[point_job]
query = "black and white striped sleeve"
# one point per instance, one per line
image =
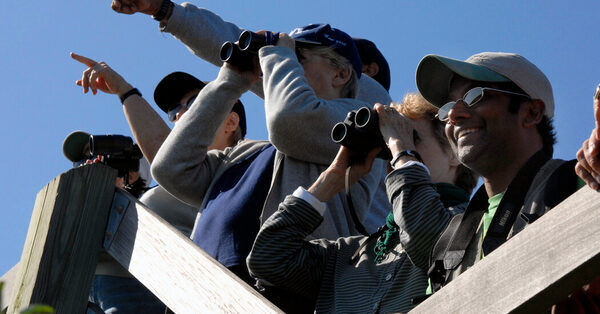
(282, 256)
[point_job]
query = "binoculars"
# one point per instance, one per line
(241, 54)
(360, 132)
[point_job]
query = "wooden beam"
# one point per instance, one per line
(536, 268)
(63, 241)
(176, 270)
(8, 281)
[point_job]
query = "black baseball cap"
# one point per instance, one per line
(368, 54)
(76, 146)
(173, 87)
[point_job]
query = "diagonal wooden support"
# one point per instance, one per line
(533, 270)
(177, 271)
(64, 239)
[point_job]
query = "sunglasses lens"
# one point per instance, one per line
(444, 110)
(172, 114)
(473, 96)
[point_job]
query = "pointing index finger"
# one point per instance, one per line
(87, 61)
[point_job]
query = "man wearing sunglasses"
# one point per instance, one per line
(175, 94)
(498, 109)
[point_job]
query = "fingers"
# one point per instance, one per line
(87, 61)
(125, 7)
(584, 170)
(590, 151)
(85, 81)
(597, 111)
(586, 176)
(93, 78)
(286, 41)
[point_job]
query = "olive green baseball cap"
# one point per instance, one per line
(435, 73)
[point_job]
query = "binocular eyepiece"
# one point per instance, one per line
(360, 132)
(241, 54)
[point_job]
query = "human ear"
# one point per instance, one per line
(232, 122)
(533, 112)
(342, 76)
(370, 69)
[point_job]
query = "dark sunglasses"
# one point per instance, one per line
(172, 114)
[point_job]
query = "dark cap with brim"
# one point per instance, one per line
(173, 87)
(434, 75)
(238, 108)
(74, 146)
(368, 54)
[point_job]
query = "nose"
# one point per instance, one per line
(458, 112)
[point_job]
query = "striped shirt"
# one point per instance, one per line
(321, 269)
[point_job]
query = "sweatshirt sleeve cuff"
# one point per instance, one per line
(304, 195)
(413, 162)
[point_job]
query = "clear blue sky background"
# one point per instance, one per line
(41, 103)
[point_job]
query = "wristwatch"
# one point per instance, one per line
(403, 153)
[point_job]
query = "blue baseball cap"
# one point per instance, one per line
(325, 35)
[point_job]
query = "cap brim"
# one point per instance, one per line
(74, 144)
(173, 87)
(434, 75)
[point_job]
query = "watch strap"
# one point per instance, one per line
(403, 153)
(133, 91)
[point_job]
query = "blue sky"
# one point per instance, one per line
(42, 104)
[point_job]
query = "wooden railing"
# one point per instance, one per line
(80, 212)
(535, 269)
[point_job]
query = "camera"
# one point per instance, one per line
(360, 132)
(119, 152)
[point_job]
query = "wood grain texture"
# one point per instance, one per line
(533, 270)
(177, 271)
(64, 239)
(8, 281)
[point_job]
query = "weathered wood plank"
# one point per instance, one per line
(536, 268)
(8, 281)
(177, 271)
(63, 241)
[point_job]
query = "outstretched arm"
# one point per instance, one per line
(588, 156)
(147, 126)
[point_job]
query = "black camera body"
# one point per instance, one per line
(119, 152)
(360, 132)
(241, 54)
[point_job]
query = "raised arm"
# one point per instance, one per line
(148, 128)
(183, 166)
(204, 32)
(283, 257)
(299, 123)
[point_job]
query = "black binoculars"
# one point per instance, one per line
(360, 132)
(241, 54)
